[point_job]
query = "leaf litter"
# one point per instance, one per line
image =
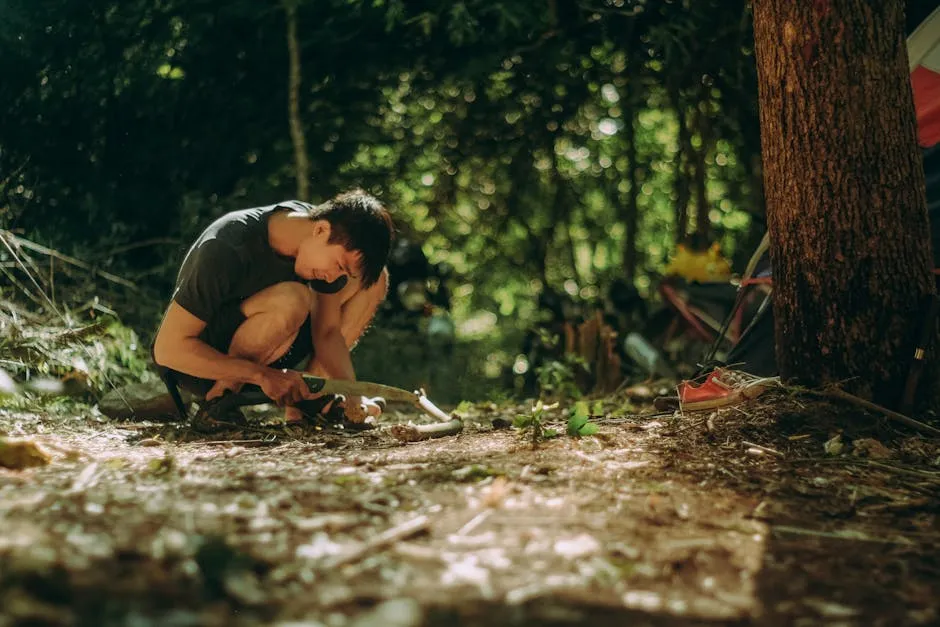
(747, 516)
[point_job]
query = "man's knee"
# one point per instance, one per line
(286, 305)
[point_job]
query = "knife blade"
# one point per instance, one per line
(253, 395)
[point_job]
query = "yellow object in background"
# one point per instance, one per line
(702, 266)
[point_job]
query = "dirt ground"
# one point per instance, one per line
(781, 511)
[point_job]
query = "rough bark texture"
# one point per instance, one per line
(844, 188)
(301, 161)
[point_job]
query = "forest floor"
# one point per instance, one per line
(784, 510)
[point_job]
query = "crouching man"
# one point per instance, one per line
(268, 291)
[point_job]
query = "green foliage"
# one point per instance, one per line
(556, 377)
(579, 424)
(83, 362)
(468, 371)
(531, 425)
(494, 130)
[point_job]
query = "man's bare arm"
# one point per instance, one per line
(359, 309)
(332, 354)
(178, 346)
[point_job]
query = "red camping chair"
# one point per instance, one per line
(714, 314)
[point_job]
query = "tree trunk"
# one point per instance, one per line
(701, 125)
(845, 191)
(301, 161)
(682, 166)
(631, 210)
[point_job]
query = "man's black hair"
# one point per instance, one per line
(359, 222)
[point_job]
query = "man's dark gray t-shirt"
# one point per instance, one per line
(229, 262)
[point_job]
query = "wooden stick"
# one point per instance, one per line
(245, 443)
(837, 393)
(931, 476)
(766, 449)
(134, 245)
(417, 433)
(400, 532)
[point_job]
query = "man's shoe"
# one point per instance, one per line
(316, 412)
(320, 410)
(209, 419)
(722, 387)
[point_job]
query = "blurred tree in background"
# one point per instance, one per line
(527, 144)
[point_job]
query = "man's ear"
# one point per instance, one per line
(321, 228)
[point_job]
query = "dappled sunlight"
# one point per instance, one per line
(593, 323)
(577, 521)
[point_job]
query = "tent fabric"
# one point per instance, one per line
(926, 85)
(923, 48)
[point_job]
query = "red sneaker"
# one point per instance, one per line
(721, 387)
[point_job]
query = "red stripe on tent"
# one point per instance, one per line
(926, 85)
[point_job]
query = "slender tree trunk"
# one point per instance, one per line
(701, 125)
(631, 210)
(301, 161)
(561, 215)
(682, 166)
(845, 191)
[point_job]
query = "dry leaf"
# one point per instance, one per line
(834, 445)
(20, 454)
(871, 448)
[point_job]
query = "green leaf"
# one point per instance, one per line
(579, 418)
(549, 433)
(581, 410)
(588, 429)
(522, 421)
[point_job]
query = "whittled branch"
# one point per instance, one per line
(417, 433)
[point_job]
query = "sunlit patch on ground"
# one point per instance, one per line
(736, 516)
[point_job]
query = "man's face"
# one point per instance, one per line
(317, 259)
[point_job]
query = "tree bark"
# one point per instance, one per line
(301, 160)
(683, 172)
(844, 188)
(701, 125)
(631, 211)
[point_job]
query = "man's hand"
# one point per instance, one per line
(358, 408)
(221, 387)
(285, 387)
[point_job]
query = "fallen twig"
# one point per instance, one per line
(39, 248)
(935, 477)
(246, 443)
(135, 245)
(70, 335)
(474, 522)
(837, 393)
(417, 433)
(763, 448)
(400, 532)
(932, 476)
(846, 534)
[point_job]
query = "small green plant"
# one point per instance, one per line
(557, 377)
(464, 408)
(531, 424)
(579, 424)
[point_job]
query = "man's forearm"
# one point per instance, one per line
(194, 357)
(332, 356)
